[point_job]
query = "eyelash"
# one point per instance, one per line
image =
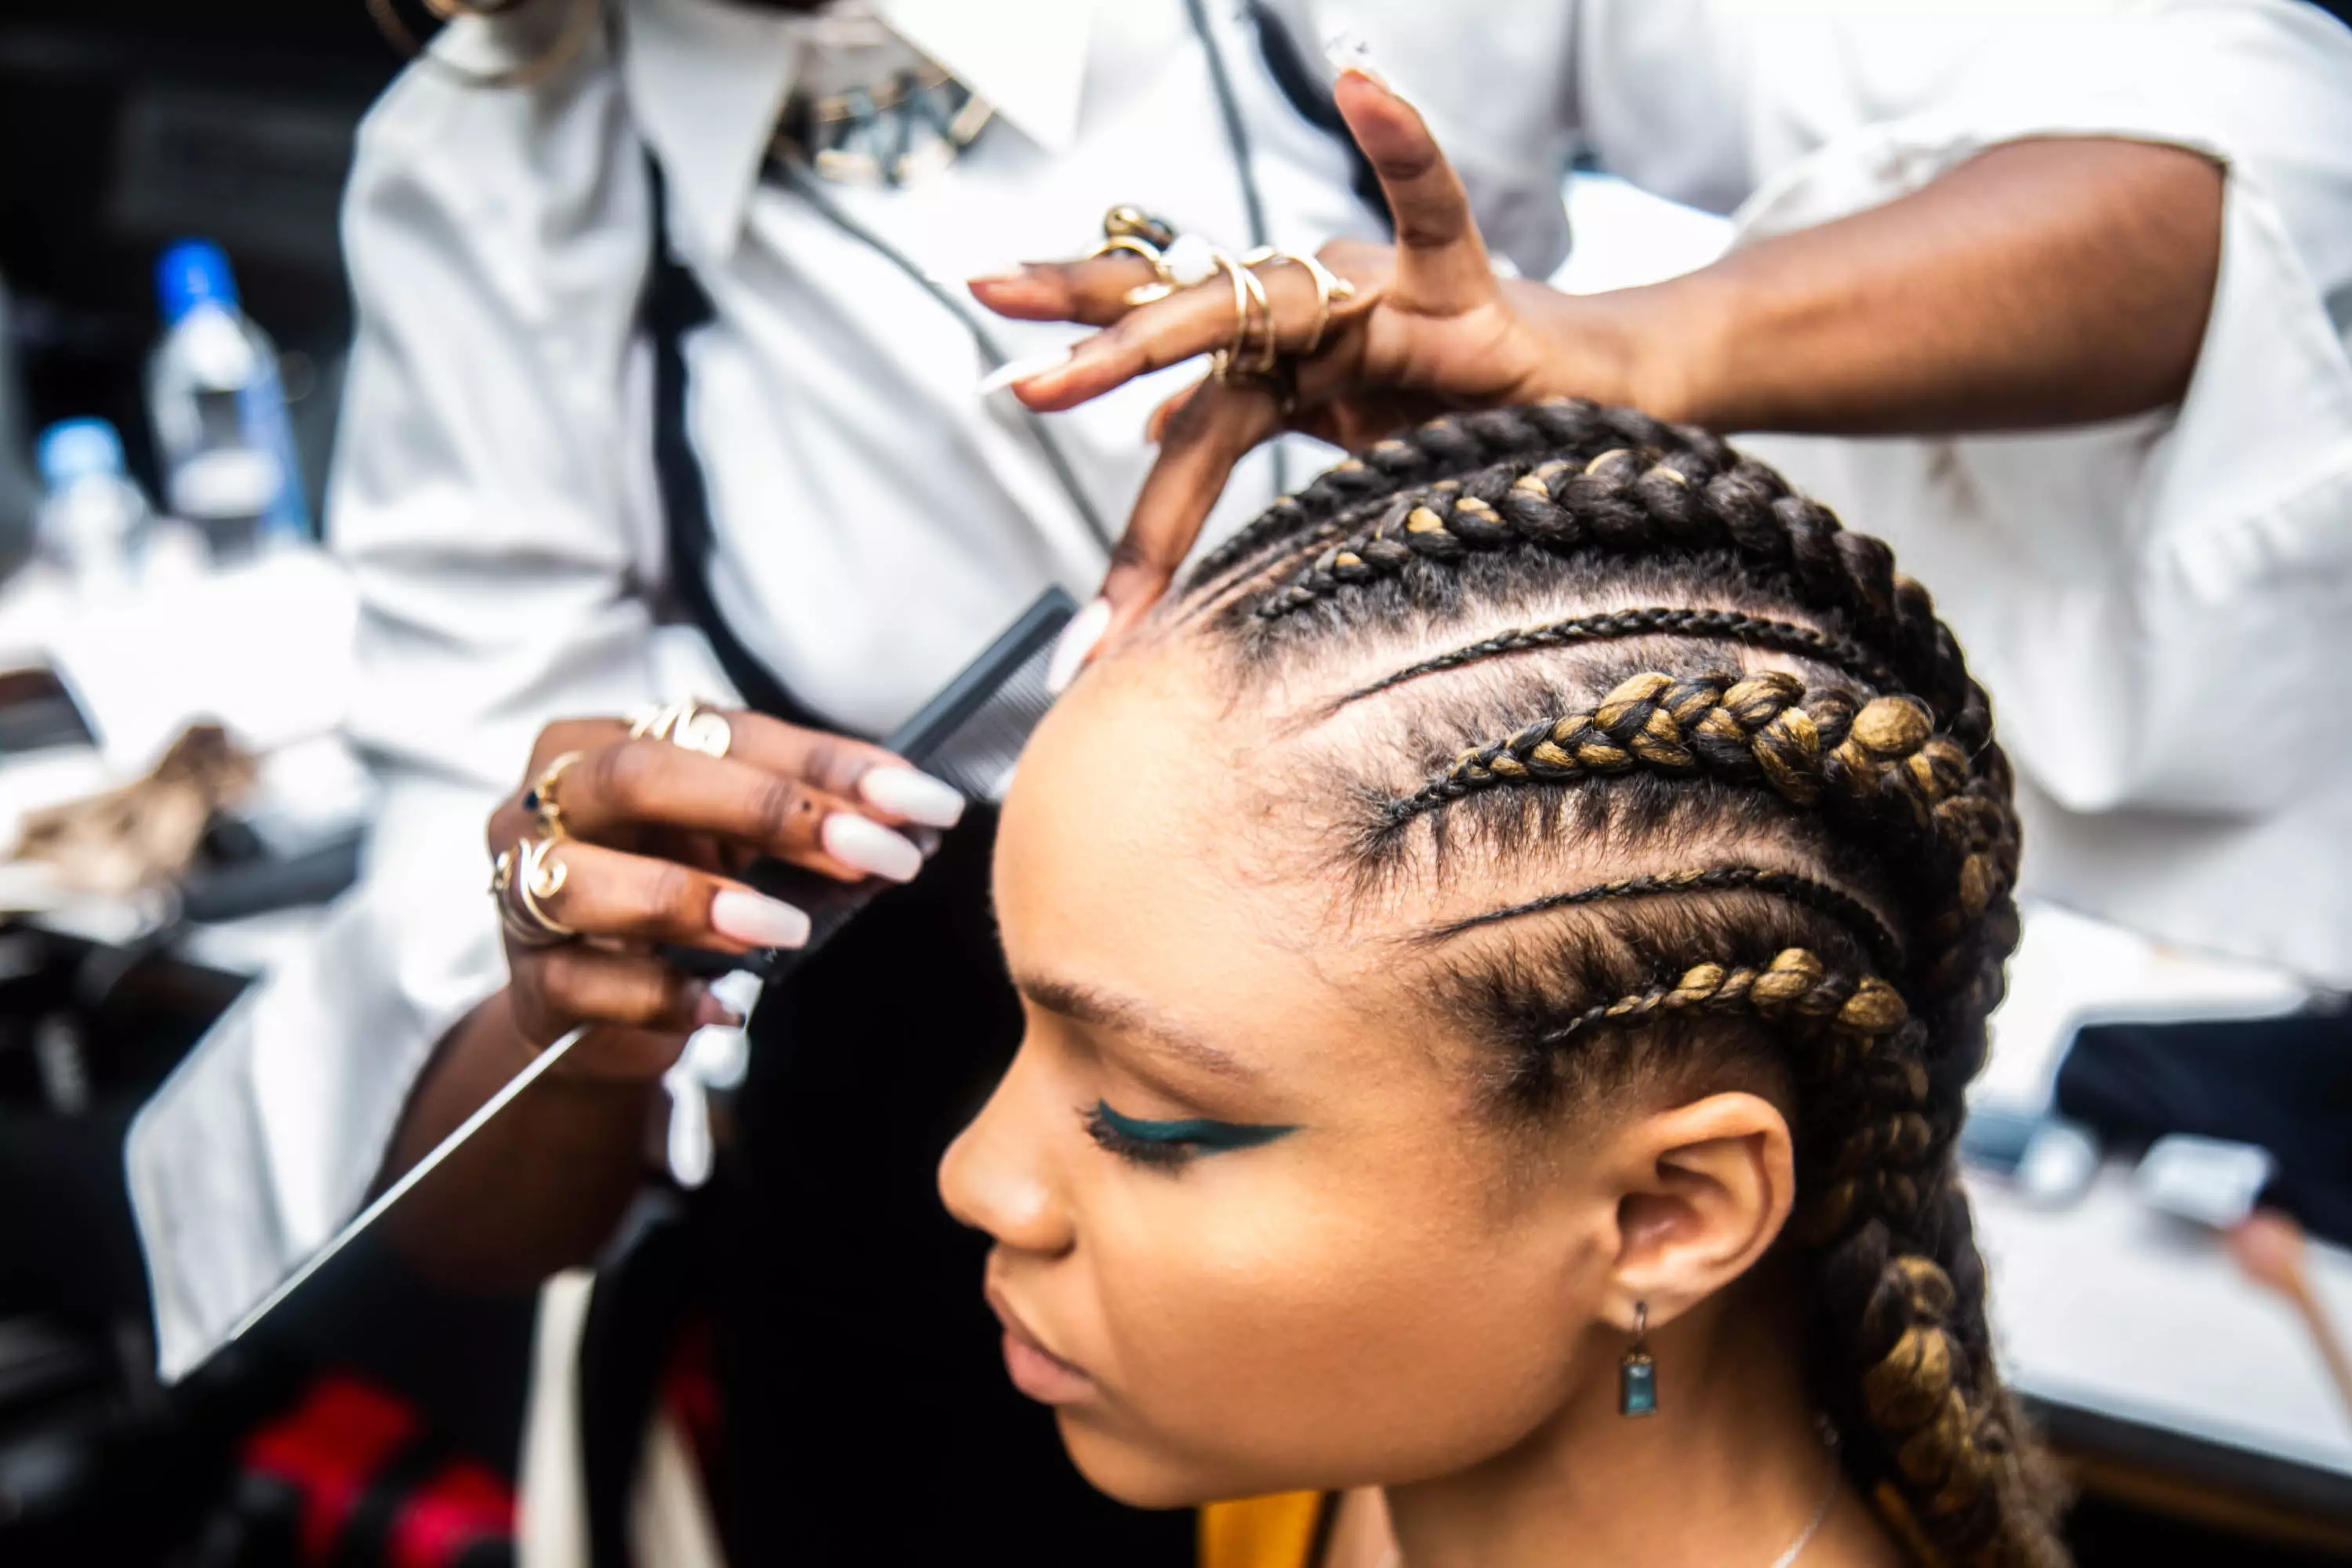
(1171, 1144)
(1166, 1153)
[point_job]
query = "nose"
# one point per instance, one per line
(997, 1175)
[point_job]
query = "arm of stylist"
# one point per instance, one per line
(619, 839)
(2044, 282)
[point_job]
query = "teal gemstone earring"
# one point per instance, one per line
(1637, 1374)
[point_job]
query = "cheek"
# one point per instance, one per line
(1288, 1323)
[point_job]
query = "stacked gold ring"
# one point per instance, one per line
(522, 876)
(687, 724)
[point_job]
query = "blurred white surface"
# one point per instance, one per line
(2113, 1307)
(2108, 1304)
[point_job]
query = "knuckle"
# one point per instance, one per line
(779, 807)
(672, 896)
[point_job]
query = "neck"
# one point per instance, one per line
(1729, 1470)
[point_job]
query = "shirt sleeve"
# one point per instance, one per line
(2120, 588)
(491, 500)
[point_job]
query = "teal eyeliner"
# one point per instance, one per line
(1196, 1132)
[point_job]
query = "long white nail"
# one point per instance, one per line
(916, 797)
(757, 921)
(739, 992)
(1078, 640)
(1347, 50)
(862, 842)
(1021, 369)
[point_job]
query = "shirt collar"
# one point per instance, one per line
(704, 82)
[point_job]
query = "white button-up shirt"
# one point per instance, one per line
(2158, 607)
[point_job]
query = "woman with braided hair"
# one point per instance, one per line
(1502, 947)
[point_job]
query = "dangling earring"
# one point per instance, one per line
(1637, 1374)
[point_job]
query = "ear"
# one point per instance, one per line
(1704, 1190)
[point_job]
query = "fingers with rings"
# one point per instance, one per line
(635, 783)
(611, 893)
(1269, 314)
(838, 766)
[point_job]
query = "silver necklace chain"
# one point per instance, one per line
(1789, 1553)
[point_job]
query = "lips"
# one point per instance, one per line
(1034, 1370)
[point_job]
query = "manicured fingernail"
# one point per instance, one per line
(1021, 369)
(757, 921)
(918, 797)
(862, 842)
(1078, 640)
(739, 992)
(1346, 51)
(1018, 272)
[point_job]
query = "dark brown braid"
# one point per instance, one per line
(1730, 626)
(1866, 981)
(1885, 948)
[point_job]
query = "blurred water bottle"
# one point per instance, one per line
(221, 430)
(93, 519)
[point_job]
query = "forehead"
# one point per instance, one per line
(1148, 850)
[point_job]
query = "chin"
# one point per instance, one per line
(1137, 1473)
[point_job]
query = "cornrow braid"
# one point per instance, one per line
(1443, 447)
(1679, 496)
(1830, 752)
(1885, 949)
(1728, 625)
(1472, 514)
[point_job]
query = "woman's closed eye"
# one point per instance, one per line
(1170, 1143)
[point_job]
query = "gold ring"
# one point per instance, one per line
(686, 723)
(1129, 227)
(520, 878)
(1249, 302)
(539, 873)
(539, 798)
(1330, 287)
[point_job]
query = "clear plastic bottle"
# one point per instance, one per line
(93, 520)
(226, 446)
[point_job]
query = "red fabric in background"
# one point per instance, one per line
(463, 1503)
(329, 1447)
(334, 1445)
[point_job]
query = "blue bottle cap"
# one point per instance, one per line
(74, 449)
(191, 272)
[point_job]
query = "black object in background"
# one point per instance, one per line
(2283, 1083)
(867, 1414)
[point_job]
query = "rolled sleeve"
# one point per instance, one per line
(2133, 595)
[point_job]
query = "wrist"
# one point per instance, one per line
(1673, 358)
(1650, 348)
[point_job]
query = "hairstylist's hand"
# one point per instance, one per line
(1429, 328)
(654, 836)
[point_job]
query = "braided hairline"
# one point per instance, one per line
(1730, 626)
(1695, 496)
(1822, 898)
(1450, 444)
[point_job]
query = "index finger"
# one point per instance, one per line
(1442, 264)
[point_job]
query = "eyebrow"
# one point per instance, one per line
(1102, 1010)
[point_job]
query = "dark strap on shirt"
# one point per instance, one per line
(675, 304)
